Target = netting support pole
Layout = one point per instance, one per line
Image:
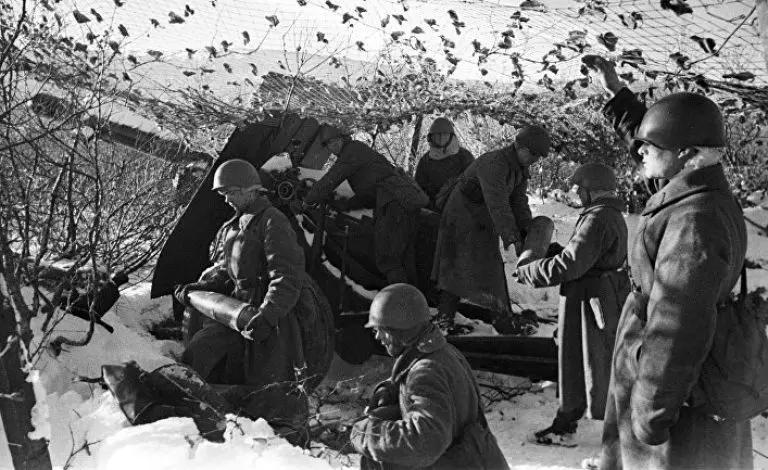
(762, 21)
(415, 142)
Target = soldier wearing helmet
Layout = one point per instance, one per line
(443, 163)
(428, 414)
(687, 255)
(486, 210)
(261, 264)
(393, 195)
(593, 287)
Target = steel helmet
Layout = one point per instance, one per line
(236, 172)
(535, 139)
(441, 125)
(398, 306)
(682, 120)
(595, 176)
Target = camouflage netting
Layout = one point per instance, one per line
(228, 48)
(200, 67)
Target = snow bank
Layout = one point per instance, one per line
(88, 430)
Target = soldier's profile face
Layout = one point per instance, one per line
(659, 162)
(234, 196)
(387, 339)
(584, 196)
(526, 157)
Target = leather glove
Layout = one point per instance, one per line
(257, 329)
(182, 291)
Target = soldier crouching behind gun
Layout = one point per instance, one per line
(262, 265)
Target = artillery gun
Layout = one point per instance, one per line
(339, 250)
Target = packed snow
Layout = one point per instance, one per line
(88, 430)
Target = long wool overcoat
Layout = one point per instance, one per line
(261, 263)
(489, 202)
(589, 267)
(686, 257)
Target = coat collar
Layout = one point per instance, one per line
(510, 154)
(254, 209)
(612, 202)
(429, 341)
(687, 183)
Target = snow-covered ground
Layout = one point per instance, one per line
(87, 430)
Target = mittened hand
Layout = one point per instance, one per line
(257, 329)
(182, 291)
(522, 276)
(182, 294)
(357, 435)
(385, 394)
(515, 240)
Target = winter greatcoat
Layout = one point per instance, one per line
(439, 403)
(263, 264)
(394, 196)
(590, 267)
(432, 174)
(489, 202)
(686, 257)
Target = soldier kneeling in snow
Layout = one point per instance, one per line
(428, 414)
(276, 340)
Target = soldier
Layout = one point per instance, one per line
(687, 255)
(443, 163)
(593, 288)
(428, 414)
(263, 265)
(489, 202)
(394, 196)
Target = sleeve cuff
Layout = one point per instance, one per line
(647, 436)
(619, 100)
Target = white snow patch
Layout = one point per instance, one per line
(278, 163)
(344, 190)
(360, 213)
(40, 412)
(368, 294)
